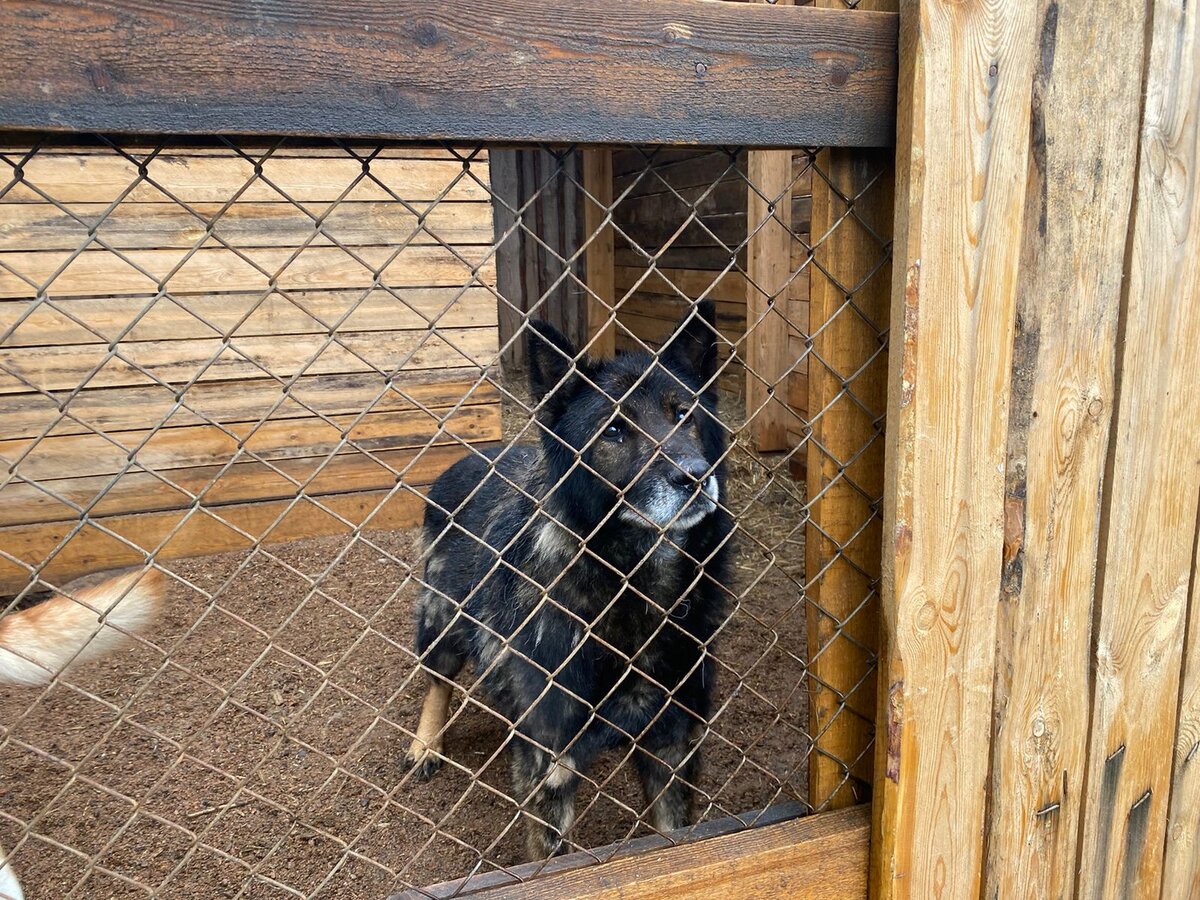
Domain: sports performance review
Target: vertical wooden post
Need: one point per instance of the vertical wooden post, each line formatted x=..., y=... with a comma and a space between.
x=966, y=72
x=600, y=253
x=849, y=307
x=1088, y=81
x=1147, y=536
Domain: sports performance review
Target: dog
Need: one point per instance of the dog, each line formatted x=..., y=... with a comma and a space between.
x=44, y=640
x=586, y=576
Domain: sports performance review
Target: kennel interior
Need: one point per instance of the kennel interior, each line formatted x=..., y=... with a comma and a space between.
x=242, y=362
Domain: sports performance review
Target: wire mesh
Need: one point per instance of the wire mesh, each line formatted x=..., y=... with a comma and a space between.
x=242, y=364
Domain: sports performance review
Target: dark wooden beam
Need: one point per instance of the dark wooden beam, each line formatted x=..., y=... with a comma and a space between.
x=618, y=71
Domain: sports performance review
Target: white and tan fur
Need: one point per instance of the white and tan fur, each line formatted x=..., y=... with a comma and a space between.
x=40, y=642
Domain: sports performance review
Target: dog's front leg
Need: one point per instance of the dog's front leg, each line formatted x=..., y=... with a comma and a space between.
x=545, y=788
x=667, y=765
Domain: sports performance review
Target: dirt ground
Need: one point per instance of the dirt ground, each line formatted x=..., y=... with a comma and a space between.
x=255, y=750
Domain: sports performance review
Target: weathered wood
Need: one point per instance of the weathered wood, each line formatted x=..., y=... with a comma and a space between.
x=1148, y=530
x=28, y=323
x=692, y=283
x=245, y=225
x=1087, y=82
x=216, y=530
x=137, y=491
x=172, y=176
x=808, y=858
x=211, y=268
x=966, y=73
x=768, y=271
x=598, y=182
x=675, y=71
x=179, y=362
x=849, y=309
x=1181, y=867
x=79, y=455
x=224, y=402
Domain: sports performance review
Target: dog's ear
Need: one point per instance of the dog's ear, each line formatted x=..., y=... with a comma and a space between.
x=551, y=356
x=693, y=346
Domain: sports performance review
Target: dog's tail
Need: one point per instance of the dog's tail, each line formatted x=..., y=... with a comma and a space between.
x=38, y=643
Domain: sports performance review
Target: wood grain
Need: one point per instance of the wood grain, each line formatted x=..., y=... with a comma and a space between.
x=1154, y=476
x=203, y=531
x=100, y=320
x=768, y=271
x=848, y=315
x=598, y=182
x=181, y=362
x=966, y=72
x=1077, y=205
x=675, y=71
x=693, y=283
x=811, y=858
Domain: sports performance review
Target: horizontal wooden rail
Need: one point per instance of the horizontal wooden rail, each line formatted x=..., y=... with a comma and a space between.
x=620, y=71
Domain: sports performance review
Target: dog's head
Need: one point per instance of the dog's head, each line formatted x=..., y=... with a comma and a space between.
x=637, y=435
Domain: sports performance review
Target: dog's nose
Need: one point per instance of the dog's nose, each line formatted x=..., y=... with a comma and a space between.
x=686, y=472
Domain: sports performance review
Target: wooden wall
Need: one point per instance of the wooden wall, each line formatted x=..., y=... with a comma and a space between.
x=1041, y=520
x=216, y=365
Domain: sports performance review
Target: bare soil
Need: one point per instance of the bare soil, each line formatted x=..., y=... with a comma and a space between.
x=254, y=749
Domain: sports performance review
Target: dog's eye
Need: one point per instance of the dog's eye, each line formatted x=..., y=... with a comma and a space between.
x=682, y=413
x=615, y=431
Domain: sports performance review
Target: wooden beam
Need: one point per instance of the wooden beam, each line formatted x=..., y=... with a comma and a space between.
x=966, y=72
x=1088, y=81
x=600, y=272
x=768, y=271
x=823, y=856
x=850, y=300
x=1148, y=532
x=674, y=71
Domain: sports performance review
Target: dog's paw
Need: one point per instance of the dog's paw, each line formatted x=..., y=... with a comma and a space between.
x=423, y=764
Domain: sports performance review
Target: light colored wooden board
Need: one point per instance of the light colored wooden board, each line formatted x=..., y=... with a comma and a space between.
x=695, y=284
x=1088, y=82
x=106, y=319
x=1181, y=867
x=216, y=530
x=812, y=858
x=843, y=548
x=1154, y=478
x=69, y=178
x=130, y=408
x=214, y=268
x=768, y=270
x=138, y=491
x=80, y=455
x=598, y=182
x=65, y=368
x=245, y=225
x=961, y=157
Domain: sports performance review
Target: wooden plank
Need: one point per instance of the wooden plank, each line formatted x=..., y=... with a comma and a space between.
x=205, y=531
x=130, y=408
x=212, y=268
x=246, y=225
x=1181, y=867
x=1154, y=477
x=79, y=455
x=598, y=182
x=675, y=71
x=846, y=404
x=1087, y=82
x=695, y=284
x=73, y=178
x=963, y=130
x=178, y=362
x=812, y=857
x=96, y=320
x=137, y=491
x=211, y=145
x=506, y=205
x=768, y=269
x=699, y=167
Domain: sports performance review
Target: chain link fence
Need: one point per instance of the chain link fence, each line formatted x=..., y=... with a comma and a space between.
x=244, y=365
